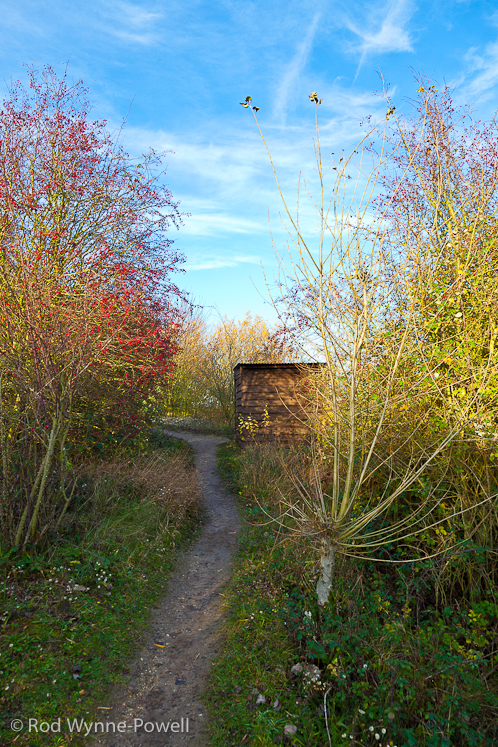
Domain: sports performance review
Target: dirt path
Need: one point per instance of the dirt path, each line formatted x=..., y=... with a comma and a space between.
x=167, y=679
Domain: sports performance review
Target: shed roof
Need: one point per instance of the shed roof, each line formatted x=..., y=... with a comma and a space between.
x=276, y=365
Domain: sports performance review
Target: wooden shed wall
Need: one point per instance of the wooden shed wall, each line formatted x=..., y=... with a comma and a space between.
x=271, y=387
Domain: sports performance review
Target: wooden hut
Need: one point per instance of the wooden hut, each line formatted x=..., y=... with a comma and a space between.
x=268, y=405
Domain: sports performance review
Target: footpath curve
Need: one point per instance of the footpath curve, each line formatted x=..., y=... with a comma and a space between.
x=169, y=674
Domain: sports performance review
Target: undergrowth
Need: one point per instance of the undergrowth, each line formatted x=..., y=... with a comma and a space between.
x=72, y=611
x=388, y=662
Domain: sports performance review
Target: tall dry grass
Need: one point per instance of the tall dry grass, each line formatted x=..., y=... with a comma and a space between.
x=142, y=501
x=280, y=479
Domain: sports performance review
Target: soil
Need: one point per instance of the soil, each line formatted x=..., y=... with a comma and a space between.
x=170, y=672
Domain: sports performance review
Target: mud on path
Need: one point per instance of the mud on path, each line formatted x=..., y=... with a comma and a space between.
x=167, y=679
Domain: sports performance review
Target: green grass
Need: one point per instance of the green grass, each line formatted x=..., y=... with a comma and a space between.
x=78, y=607
x=259, y=649
x=392, y=666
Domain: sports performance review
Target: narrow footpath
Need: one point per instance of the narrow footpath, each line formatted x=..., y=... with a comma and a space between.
x=169, y=674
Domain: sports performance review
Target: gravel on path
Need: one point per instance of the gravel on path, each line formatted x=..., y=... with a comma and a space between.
x=169, y=674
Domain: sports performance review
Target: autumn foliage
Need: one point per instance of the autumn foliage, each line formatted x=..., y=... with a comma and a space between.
x=441, y=201
x=87, y=307
x=203, y=384
x=398, y=297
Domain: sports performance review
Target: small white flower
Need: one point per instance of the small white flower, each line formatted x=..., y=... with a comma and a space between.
x=365, y=666
x=344, y=736
x=382, y=731
x=370, y=728
x=377, y=736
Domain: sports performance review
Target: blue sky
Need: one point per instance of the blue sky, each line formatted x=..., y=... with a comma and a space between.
x=179, y=69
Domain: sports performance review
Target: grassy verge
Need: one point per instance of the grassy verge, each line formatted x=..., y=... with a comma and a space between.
x=254, y=696
x=385, y=664
x=72, y=616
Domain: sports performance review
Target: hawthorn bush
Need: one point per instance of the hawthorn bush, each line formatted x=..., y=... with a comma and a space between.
x=440, y=197
x=87, y=307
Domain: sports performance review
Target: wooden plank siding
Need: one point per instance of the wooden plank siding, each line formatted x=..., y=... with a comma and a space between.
x=269, y=392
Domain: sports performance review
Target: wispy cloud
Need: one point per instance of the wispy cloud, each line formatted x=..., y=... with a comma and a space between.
x=216, y=264
x=350, y=105
x=482, y=69
x=232, y=167
x=205, y=224
x=15, y=17
x=133, y=23
x=294, y=69
x=384, y=29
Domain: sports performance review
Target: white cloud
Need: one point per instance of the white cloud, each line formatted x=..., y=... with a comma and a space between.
x=132, y=23
x=294, y=69
x=135, y=15
x=216, y=264
x=383, y=30
x=483, y=71
x=226, y=184
x=15, y=17
x=205, y=224
x=351, y=106
x=232, y=162
x=127, y=36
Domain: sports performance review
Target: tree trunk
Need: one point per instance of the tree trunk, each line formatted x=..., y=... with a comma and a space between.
x=327, y=561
